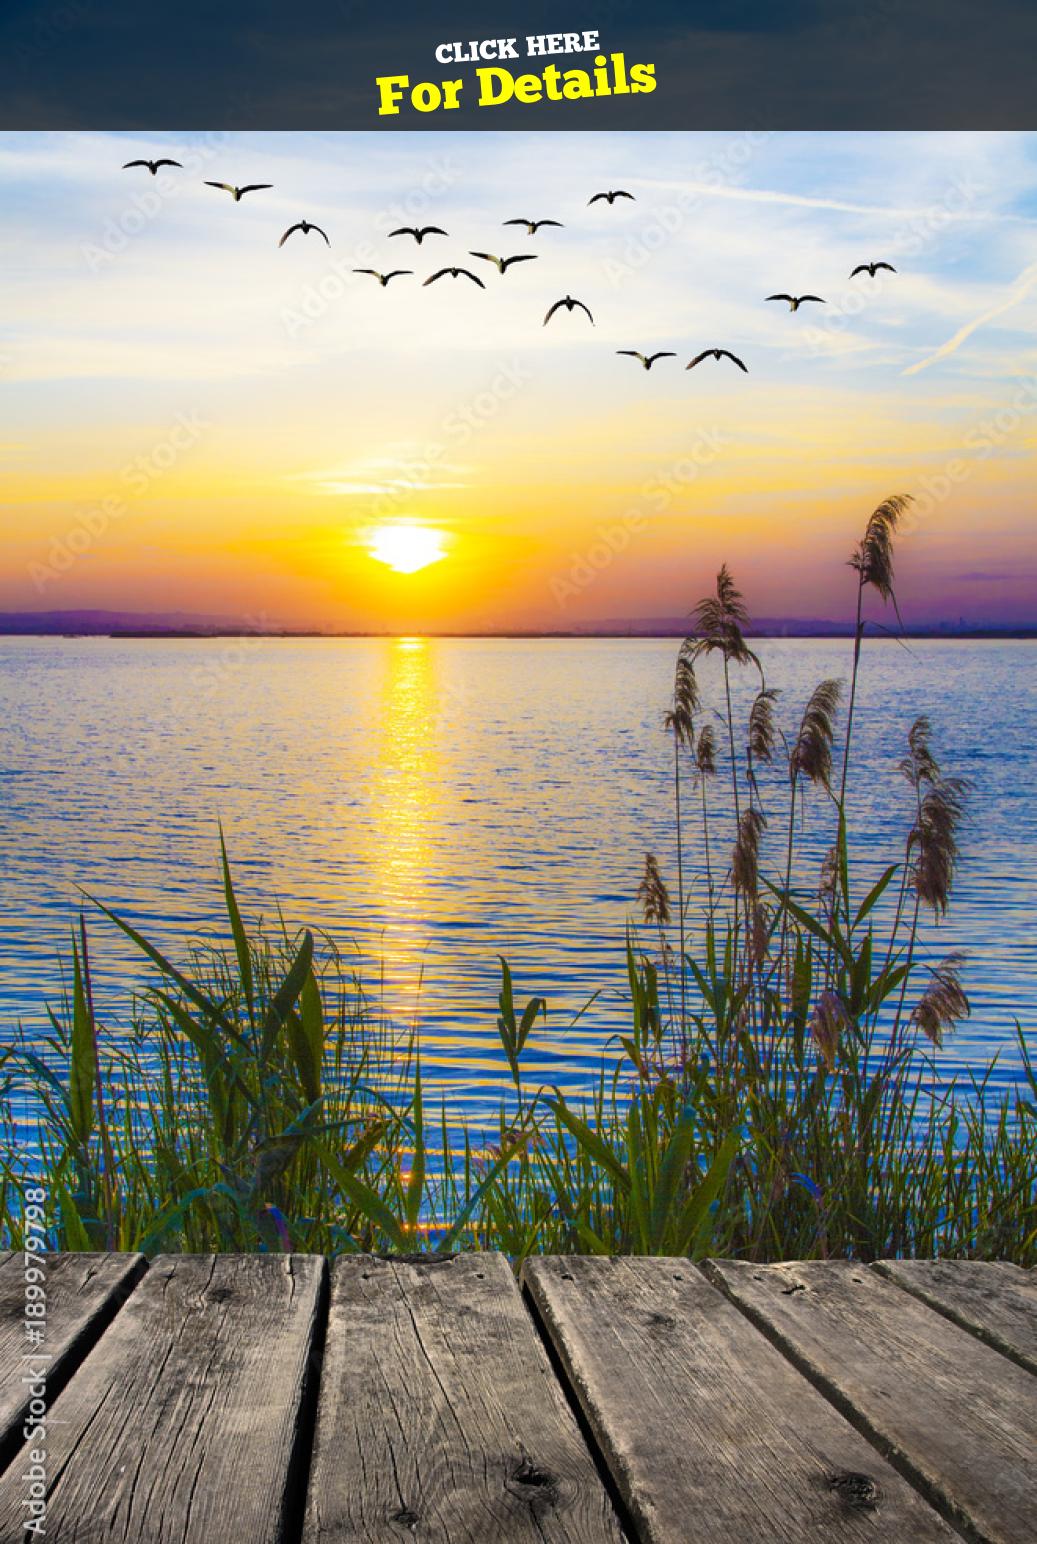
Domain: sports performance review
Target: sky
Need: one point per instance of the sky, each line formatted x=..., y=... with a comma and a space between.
x=196, y=419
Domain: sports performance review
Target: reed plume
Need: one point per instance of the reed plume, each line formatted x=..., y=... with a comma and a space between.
x=763, y=732
x=811, y=755
x=721, y=621
x=828, y=880
x=680, y=718
x=759, y=934
x=680, y=722
x=873, y=556
x=920, y=765
x=828, y=1023
x=943, y=1003
x=933, y=840
x=941, y=802
x=873, y=562
x=706, y=751
x=745, y=858
x=653, y=895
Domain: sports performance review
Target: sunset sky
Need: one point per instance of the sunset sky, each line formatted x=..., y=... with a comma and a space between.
x=194, y=419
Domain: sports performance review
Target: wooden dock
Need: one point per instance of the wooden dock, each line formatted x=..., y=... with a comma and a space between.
x=263, y=1399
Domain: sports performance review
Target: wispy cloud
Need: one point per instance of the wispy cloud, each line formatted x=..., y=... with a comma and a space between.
x=391, y=485
x=1019, y=291
x=807, y=201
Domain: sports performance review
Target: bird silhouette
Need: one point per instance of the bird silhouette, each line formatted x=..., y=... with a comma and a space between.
x=570, y=304
x=648, y=360
x=717, y=353
x=871, y=269
x=532, y=226
x=418, y=232
x=619, y=193
x=795, y=301
x=237, y=194
x=153, y=166
x=455, y=273
x=504, y=263
x=383, y=278
x=306, y=227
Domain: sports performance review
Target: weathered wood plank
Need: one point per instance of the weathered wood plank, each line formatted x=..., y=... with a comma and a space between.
x=956, y=1416
x=440, y=1418
x=708, y=1431
x=997, y=1302
x=182, y=1424
x=83, y=1292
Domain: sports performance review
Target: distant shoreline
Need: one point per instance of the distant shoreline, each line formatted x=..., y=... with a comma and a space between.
x=932, y=634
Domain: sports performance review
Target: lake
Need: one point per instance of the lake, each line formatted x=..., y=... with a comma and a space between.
x=442, y=801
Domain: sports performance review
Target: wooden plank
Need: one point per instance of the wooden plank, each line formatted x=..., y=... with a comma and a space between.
x=440, y=1418
x=709, y=1433
x=182, y=1424
x=83, y=1292
x=995, y=1300
x=956, y=1416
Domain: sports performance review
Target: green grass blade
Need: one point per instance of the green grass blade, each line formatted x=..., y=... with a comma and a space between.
x=695, y=1216
x=589, y=1142
x=241, y=944
x=82, y=1069
x=286, y=996
x=671, y=1176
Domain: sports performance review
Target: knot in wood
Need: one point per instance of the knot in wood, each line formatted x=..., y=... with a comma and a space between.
x=856, y=1490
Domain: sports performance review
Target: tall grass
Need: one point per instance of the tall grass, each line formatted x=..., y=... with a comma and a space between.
x=777, y=1096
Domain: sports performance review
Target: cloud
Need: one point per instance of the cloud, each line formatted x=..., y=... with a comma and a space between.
x=806, y=201
x=1019, y=291
x=392, y=485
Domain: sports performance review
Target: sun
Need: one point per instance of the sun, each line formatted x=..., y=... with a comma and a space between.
x=406, y=546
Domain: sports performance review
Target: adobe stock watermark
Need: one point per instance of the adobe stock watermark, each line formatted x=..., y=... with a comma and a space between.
x=146, y=201
x=220, y=669
x=613, y=538
x=911, y=239
x=457, y=429
x=724, y=168
x=92, y=525
x=986, y=436
x=35, y=1361
x=318, y=297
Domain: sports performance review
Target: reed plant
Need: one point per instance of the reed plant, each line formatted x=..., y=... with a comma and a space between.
x=775, y=1091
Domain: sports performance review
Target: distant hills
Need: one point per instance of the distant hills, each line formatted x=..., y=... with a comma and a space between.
x=85, y=623
x=186, y=624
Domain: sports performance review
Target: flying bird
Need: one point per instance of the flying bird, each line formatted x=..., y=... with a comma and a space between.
x=619, y=193
x=532, y=226
x=648, y=360
x=306, y=227
x=504, y=263
x=418, y=232
x=455, y=273
x=871, y=269
x=153, y=166
x=717, y=353
x=237, y=194
x=383, y=278
x=570, y=304
x=795, y=301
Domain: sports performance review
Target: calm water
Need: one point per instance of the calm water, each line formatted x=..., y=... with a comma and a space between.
x=443, y=801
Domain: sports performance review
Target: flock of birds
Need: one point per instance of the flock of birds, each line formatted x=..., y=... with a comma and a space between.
x=418, y=233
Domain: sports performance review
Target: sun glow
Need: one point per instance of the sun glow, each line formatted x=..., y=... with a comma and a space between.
x=406, y=547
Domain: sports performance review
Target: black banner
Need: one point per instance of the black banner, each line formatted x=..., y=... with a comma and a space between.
x=563, y=65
